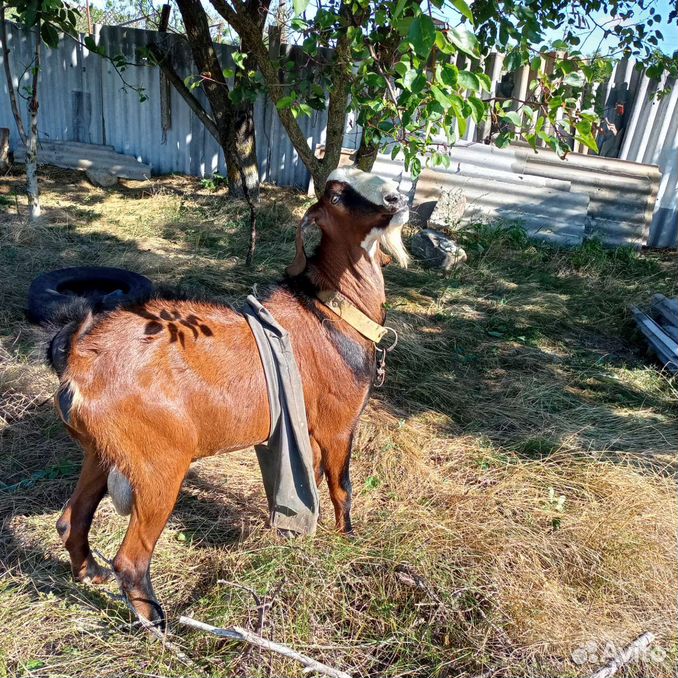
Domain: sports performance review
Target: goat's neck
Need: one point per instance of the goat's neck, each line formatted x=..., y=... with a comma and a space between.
x=354, y=273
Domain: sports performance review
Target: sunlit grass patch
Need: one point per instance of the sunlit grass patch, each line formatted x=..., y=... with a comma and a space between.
x=520, y=459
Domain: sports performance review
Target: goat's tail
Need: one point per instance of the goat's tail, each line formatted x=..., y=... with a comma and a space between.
x=63, y=323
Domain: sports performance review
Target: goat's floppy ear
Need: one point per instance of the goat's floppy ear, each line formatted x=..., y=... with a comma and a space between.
x=299, y=264
x=383, y=259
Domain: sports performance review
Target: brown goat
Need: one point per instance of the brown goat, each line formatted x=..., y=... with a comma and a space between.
x=149, y=389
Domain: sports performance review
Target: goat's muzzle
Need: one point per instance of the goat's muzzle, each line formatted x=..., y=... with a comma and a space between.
x=395, y=201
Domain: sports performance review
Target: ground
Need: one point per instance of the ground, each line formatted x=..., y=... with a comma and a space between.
x=514, y=480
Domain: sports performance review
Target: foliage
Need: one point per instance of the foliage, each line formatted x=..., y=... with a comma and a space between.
x=416, y=79
x=53, y=17
x=213, y=183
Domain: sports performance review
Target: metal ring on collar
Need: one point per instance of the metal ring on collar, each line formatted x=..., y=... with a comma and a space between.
x=388, y=349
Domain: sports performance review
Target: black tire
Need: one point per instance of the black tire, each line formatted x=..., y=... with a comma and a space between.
x=98, y=287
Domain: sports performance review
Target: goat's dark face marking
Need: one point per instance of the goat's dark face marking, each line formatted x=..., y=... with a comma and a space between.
x=348, y=202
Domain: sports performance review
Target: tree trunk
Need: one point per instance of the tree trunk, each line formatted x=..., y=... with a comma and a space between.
x=32, y=188
x=30, y=140
x=366, y=155
x=246, y=152
x=8, y=77
x=236, y=137
x=243, y=125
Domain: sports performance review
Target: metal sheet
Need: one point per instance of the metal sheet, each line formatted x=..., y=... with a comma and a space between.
x=652, y=137
x=621, y=194
x=548, y=214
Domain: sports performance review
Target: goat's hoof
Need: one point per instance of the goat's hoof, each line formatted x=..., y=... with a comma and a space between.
x=150, y=614
x=93, y=573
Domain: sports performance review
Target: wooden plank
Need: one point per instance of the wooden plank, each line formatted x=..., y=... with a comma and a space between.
x=666, y=308
x=665, y=348
x=78, y=156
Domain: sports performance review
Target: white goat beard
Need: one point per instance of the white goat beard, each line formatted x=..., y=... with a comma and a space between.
x=392, y=241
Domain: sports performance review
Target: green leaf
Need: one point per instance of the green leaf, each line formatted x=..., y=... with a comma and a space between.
x=513, y=60
x=531, y=140
x=575, y=79
x=299, y=6
x=299, y=24
x=449, y=75
x=401, y=68
x=239, y=59
x=409, y=78
x=477, y=108
x=372, y=482
x=514, y=117
x=461, y=122
x=588, y=141
x=419, y=83
x=33, y=664
x=443, y=44
x=464, y=40
x=422, y=35
x=469, y=81
x=463, y=8
x=285, y=102
x=441, y=98
x=399, y=8
x=485, y=81
x=306, y=110
x=49, y=35
x=566, y=66
x=90, y=44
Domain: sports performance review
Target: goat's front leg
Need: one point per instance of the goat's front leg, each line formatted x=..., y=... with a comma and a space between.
x=74, y=524
x=154, y=500
x=336, y=457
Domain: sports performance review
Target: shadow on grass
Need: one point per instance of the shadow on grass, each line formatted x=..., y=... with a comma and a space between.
x=524, y=347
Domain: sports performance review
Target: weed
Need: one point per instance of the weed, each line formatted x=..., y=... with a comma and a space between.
x=213, y=183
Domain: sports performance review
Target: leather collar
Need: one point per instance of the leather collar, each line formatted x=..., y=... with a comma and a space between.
x=341, y=306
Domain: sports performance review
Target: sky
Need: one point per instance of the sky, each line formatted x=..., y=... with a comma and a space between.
x=662, y=7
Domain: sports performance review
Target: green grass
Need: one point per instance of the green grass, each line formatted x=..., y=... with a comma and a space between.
x=518, y=379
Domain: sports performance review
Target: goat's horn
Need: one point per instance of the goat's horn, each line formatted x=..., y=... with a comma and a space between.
x=299, y=264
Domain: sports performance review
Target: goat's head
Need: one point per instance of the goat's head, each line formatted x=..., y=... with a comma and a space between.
x=357, y=209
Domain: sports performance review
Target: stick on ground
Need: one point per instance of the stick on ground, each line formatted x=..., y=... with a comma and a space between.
x=237, y=633
x=630, y=653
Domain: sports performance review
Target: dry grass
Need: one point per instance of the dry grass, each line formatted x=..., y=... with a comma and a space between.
x=518, y=380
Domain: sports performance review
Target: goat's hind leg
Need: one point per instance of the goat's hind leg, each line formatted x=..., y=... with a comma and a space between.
x=336, y=460
x=74, y=524
x=154, y=497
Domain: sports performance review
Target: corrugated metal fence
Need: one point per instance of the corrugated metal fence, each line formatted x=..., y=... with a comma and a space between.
x=84, y=99
x=651, y=137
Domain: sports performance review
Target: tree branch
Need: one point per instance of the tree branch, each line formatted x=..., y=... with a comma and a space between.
x=250, y=33
x=8, y=76
x=163, y=61
x=338, y=101
x=237, y=633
